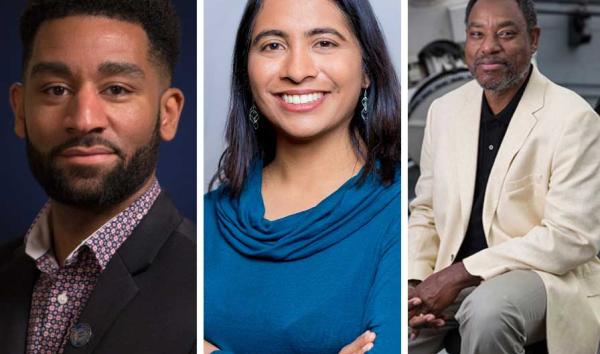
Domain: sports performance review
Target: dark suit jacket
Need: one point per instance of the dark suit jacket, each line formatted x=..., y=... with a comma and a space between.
x=144, y=301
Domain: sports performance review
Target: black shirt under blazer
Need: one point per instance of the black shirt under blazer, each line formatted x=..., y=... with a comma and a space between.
x=492, y=128
x=144, y=301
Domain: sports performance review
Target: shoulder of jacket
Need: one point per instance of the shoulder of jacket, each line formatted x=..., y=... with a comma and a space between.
x=457, y=96
x=8, y=249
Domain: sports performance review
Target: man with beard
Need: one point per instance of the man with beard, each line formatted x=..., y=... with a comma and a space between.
x=108, y=266
x=505, y=229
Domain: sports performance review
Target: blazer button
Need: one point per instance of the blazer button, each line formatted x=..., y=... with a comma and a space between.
x=452, y=257
x=80, y=334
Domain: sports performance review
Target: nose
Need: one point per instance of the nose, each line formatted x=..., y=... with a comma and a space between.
x=490, y=45
x=299, y=65
x=86, y=113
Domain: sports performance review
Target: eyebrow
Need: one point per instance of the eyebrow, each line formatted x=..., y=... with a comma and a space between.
x=110, y=68
x=506, y=23
x=55, y=68
x=310, y=33
x=107, y=69
x=325, y=30
x=269, y=33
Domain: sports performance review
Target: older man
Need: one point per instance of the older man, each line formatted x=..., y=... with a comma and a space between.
x=108, y=266
x=505, y=227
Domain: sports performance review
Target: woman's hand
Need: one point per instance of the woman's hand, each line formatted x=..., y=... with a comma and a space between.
x=362, y=344
x=209, y=348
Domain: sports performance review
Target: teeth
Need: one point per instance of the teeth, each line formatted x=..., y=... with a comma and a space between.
x=302, y=99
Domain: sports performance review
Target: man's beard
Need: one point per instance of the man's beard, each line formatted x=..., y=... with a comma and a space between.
x=511, y=78
x=89, y=186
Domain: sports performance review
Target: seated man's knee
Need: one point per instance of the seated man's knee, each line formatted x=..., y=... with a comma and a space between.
x=488, y=314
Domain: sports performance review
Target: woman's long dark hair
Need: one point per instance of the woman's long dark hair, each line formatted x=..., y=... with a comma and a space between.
x=380, y=132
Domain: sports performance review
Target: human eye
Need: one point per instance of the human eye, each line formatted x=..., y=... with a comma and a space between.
x=506, y=34
x=325, y=43
x=116, y=90
x=475, y=34
x=271, y=46
x=56, y=90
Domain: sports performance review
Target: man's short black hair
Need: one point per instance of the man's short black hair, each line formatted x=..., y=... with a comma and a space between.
x=527, y=8
x=156, y=17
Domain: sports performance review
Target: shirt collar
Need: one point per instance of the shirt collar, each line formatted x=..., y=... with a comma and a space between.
x=103, y=242
x=37, y=239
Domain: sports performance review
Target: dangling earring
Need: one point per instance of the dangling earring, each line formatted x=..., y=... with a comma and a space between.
x=253, y=116
x=365, y=105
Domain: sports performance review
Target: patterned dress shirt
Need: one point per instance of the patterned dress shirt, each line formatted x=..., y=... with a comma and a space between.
x=60, y=293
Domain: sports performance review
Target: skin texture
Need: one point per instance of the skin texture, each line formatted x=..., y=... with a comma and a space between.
x=498, y=49
x=66, y=96
x=498, y=53
x=301, y=47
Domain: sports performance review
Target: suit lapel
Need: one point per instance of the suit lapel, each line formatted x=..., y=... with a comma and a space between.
x=520, y=127
x=17, y=281
x=466, y=144
x=116, y=287
x=114, y=290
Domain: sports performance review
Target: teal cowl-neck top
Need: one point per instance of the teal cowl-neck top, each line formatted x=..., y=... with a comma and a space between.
x=310, y=282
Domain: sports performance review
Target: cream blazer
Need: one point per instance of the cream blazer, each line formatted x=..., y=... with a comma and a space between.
x=541, y=209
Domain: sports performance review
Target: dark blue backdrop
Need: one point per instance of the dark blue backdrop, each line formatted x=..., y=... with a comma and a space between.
x=21, y=197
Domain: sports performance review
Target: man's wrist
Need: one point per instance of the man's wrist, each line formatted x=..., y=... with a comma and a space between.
x=466, y=279
x=413, y=283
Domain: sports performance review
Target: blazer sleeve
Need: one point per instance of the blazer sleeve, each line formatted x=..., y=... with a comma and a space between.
x=383, y=304
x=569, y=232
x=423, y=238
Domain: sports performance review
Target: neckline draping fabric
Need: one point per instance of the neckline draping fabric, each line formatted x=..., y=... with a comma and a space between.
x=241, y=220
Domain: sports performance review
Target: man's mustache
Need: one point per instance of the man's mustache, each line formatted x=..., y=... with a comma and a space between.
x=86, y=141
x=490, y=60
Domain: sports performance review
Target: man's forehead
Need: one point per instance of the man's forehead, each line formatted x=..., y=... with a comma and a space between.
x=84, y=22
x=503, y=12
x=88, y=42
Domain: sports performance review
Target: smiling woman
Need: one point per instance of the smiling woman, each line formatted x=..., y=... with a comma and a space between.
x=302, y=234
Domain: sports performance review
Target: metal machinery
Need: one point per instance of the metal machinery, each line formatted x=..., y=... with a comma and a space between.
x=569, y=54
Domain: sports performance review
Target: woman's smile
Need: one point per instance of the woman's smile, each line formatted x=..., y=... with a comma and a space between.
x=301, y=101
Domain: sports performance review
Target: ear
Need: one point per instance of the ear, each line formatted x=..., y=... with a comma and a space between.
x=366, y=81
x=16, y=103
x=171, y=104
x=535, y=38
